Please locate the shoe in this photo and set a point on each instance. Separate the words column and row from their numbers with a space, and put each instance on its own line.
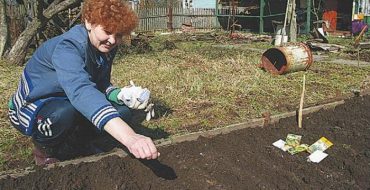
column 41, row 158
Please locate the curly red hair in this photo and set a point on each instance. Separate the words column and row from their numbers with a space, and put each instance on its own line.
column 114, row 15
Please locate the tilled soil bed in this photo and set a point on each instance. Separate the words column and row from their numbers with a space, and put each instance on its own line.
column 242, row 159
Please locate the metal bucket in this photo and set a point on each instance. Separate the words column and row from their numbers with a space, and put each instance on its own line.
column 289, row 58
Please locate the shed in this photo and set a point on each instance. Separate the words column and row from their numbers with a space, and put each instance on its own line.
column 340, row 13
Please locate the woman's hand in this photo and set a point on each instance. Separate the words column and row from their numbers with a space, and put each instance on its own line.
column 139, row 145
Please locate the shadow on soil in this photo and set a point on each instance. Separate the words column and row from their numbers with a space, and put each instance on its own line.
column 159, row 169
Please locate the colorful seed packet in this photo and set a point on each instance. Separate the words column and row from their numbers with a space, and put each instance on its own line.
column 322, row 144
column 298, row 149
column 291, row 141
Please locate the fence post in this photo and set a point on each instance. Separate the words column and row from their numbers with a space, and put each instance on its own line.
column 217, row 13
column 308, row 17
column 262, row 14
column 170, row 16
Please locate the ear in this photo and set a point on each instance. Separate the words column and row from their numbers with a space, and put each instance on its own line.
column 88, row 25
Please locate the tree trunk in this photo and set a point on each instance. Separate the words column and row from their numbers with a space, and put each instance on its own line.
column 3, row 27
column 18, row 51
column 293, row 22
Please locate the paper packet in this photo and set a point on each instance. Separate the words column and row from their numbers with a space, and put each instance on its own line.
column 322, row 144
column 292, row 141
column 298, row 149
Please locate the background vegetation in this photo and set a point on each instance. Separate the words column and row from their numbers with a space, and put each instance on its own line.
column 198, row 85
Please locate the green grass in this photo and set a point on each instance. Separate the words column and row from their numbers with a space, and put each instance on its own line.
column 348, row 41
column 14, row 148
column 199, row 86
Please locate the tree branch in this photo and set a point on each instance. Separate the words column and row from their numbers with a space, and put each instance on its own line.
column 18, row 51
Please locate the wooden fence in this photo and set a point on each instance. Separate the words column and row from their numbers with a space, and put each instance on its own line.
column 151, row 19
column 158, row 19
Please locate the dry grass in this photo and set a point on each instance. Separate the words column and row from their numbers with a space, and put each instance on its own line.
column 13, row 145
column 200, row 86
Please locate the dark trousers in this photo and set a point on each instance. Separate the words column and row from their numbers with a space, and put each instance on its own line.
column 63, row 132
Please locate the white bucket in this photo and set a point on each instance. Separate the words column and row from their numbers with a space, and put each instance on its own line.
column 280, row 39
column 285, row 39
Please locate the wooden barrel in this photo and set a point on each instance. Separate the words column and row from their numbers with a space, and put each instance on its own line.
column 288, row 58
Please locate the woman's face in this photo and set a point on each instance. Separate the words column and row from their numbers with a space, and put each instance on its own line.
column 101, row 39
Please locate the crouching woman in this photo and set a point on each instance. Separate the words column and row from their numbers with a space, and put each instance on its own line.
column 65, row 87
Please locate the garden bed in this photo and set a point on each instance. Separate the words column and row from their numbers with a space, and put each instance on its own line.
column 240, row 159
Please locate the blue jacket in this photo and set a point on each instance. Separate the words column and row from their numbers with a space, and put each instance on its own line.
column 66, row 66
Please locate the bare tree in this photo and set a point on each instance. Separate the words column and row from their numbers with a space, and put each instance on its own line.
column 18, row 51
column 3, row 27
column 292, row 21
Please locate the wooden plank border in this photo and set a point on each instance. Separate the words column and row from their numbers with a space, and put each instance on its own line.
column 253, row 123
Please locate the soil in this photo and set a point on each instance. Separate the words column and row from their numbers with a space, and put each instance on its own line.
column 243, row 159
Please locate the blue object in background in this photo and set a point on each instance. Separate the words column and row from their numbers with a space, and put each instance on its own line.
column 207, row 4
column 357, row 26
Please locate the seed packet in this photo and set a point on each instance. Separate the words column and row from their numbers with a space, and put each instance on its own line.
column 279, row 144
column 292, row 140
column 317, row 156
column 322, row 144
column 298, row 149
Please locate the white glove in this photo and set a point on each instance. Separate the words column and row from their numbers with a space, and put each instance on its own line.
column 134, row 97
column 150, row 111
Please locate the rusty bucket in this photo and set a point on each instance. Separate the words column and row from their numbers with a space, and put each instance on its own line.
column 289, row 58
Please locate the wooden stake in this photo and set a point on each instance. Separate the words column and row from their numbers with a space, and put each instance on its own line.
column 358, row 57
column 301, row 103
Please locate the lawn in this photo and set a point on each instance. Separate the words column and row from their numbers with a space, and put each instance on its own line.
column 199, row 85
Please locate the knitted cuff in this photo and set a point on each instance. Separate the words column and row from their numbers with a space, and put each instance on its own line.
column 112, row 96
column 10, row 104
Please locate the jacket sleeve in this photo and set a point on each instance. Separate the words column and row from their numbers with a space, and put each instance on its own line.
column 83, row 94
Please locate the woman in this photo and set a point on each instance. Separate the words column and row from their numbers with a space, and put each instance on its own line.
column 65, row 87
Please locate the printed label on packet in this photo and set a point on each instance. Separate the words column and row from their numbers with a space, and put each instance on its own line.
column 322, row 144
column 292, row 141
column 298, row 149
